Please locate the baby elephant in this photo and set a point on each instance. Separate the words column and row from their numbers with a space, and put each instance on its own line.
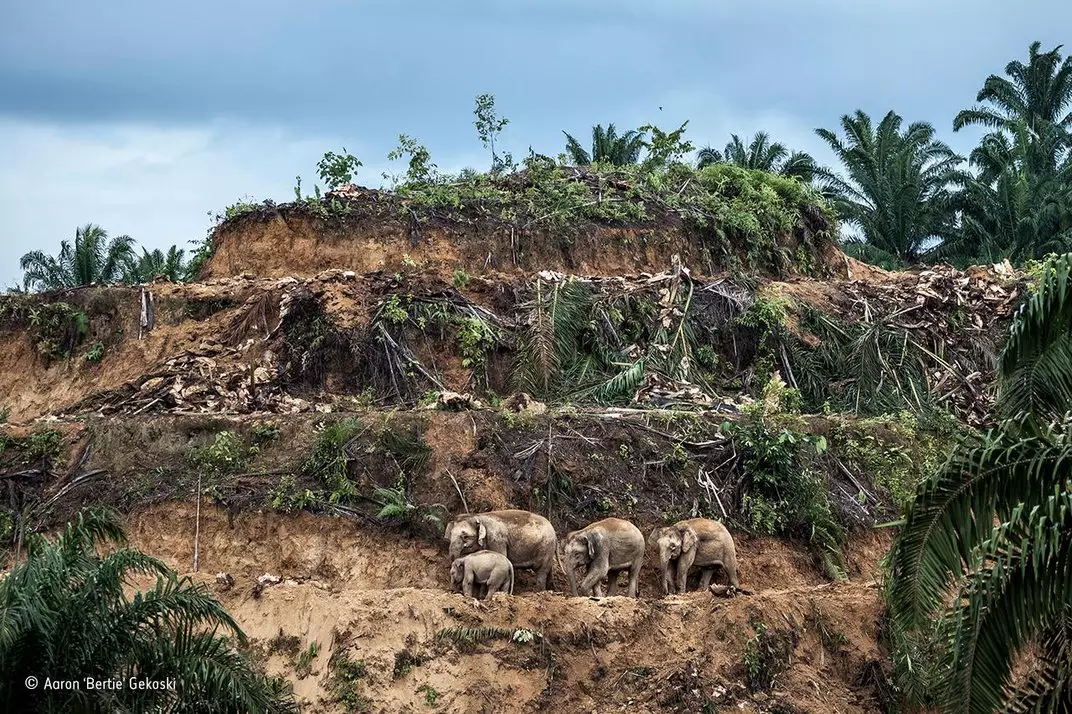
column 695, row 542
column 483, row 568
column 603, row 550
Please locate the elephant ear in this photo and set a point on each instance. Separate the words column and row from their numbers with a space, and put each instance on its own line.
column 456, row 570
column 689, row 540
column 482, row 536
column 447, row 530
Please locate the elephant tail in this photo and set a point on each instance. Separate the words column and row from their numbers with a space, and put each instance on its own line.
column 511, row 579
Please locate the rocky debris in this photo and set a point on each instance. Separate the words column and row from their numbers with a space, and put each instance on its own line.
column 225, row 581
column 265, row 581
column 662, row 393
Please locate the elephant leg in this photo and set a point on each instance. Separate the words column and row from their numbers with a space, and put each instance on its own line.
column 705, row 577
column 634, row 577
column 467, row 584
column 597, row 590
column 594, row 578
column 543, row 573
column 612, row 583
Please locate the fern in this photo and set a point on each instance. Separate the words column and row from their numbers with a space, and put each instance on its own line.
column 394, row 501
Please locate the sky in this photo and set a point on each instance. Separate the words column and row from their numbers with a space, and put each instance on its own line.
column 149, row 118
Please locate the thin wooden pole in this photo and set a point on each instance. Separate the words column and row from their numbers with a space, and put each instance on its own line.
column 197, row 523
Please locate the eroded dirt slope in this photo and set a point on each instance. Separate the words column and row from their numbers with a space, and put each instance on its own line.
column 382, row 604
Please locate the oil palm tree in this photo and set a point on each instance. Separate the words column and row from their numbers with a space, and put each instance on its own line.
column 761, row 154
column 607, row 147
column 148, row 265
column 1008, row 210
column 1020, row 203
column 92, row 259
column 995, row 590
column 899, row 185
column 65, row 613
column 1036, row 97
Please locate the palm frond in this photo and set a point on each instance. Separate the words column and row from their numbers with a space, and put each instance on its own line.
column 1022, row 585
column 1036, row 363
column 955, row 510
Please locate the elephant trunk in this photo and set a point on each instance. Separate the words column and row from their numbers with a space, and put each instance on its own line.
column 666, row 567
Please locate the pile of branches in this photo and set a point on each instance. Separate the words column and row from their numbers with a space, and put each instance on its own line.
column 949, row 322
column 210, row 380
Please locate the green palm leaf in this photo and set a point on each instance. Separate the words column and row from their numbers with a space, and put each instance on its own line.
column 1036, row 364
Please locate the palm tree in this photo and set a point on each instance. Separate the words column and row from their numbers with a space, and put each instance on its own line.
column 1036, row 97
column 147, row 266
column 994, row 590
column 1008, row 210
column 1020, row 203
column 762, row 155
column 899, row 185
column 607, row 147
column 92, row 259
column 65, row 613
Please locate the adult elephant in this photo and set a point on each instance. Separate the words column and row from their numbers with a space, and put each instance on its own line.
column 527, row 539
column 603, row 550
column 696, row 542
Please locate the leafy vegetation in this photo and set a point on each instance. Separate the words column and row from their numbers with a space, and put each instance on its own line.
column 347, row 681
column 607, row 147
column 766, row 656
column 899, row 189
column 786, row 493
column 971, row 594
column 761, row 155
column 328, row 462
column 92, row 258
column 69, row 614
column 148, row 265
column 227, row 454
column 57, row 328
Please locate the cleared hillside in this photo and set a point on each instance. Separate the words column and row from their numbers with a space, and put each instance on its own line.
column 349, row 373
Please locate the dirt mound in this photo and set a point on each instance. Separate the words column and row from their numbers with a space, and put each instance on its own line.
column 572, row 219
column 378, row 609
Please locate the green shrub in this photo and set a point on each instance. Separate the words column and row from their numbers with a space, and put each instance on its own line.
column 346, row 681
column 264, row 432
column 57, row 328
column 44, row 445
column 289, row 497
column 328, row 463
column 225, row 455
column 786, row 493
column 766, row 656
column 96, row 353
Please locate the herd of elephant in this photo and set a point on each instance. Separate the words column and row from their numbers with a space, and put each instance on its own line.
column 485, row 548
